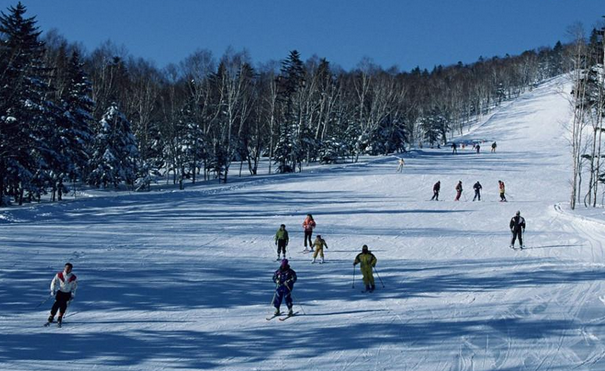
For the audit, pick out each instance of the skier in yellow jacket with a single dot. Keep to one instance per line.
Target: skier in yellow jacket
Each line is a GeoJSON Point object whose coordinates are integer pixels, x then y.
{"type": "Point", "coordinates": [319, 245]}
{"type": "Point", "coordinates": [367, 261]}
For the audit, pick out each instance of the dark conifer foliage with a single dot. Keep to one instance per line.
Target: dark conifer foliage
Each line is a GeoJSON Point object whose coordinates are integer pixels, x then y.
{"type": "Point", "coordinates": [24, 112]}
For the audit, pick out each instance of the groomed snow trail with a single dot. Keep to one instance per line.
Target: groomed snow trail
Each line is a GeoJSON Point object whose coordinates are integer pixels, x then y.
{"type": "Point", "coordinates": [182, 280]}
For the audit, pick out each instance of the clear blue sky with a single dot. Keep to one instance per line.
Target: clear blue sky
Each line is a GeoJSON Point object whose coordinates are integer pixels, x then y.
{"type": "Point", "coordinates": [391, 32]}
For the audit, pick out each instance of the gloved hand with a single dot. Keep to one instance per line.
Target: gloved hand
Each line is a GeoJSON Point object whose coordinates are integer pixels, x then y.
{"type": "Point", "coordinates": [275, 243]}
{"type": "Point", "coordinates": [52, 293]}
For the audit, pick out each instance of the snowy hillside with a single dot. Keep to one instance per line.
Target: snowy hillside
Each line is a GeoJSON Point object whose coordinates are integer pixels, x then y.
{"type": "Point", "coordinates": [182, 280]}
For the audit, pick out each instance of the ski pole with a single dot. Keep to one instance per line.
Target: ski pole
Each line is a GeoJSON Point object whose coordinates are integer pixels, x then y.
{"type": "Point", "coordinates": [44, 301]}
{"type": "Point", "coordinates": [353, 276]}
{"type": "Point", "coordinates": [375, 270]}
{"type": "Point", "coordinates": [70, 314]}
{"type": "Point", "coordinates": [293, 298]}
{"type": "Point", "coordinates": [299, 304]}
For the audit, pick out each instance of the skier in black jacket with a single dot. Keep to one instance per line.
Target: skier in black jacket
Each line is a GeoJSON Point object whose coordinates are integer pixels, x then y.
{"type": "Point", "coordinates": [477, 187]}
{"type": "Point", "coordinates": [436, 189]}
{"type": "Point", "coordinates": [517, 227]}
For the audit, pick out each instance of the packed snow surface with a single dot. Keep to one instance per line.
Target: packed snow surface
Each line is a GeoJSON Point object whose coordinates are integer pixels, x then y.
{"type": "Point", "coordinates": [182, 280]}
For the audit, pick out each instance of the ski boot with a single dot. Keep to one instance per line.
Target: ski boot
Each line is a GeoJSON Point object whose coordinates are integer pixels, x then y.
{"type": "Point", "coordinates": [321, 261]}
{"type": "Point", "coordinates": [372, 288]}
{"type": "Point", "coordinates": [290, 312]}
{"type": "Point", "coordinates": [60, 321]}
{"type": "Point", "coordinates": [313, 261]}
{"type": "Point", "coordinates": [276, 313]}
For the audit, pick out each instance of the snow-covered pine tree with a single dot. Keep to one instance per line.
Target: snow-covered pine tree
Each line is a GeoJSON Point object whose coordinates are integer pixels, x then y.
{"type": "Point", "coordinates": [115, 151]}
{"type": "Point", "coordinates": [24, 111]}
{"type": "Point", "coordinates": [74, 126]}
{"type": "Point", "coordinates": [194, 144]}
{"type": "Point", "coordinates": [292, 78]}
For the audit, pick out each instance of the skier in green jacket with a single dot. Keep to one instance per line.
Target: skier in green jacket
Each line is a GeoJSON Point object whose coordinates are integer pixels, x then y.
{"type": "Point", "coordinates": [367, 261]}
{"type": "Point", "coordinates": [281, 240]}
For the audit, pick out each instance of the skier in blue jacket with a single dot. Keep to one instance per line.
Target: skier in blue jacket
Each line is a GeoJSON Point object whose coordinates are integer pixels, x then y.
{"type": "Point", "coordinates": [284, 279]}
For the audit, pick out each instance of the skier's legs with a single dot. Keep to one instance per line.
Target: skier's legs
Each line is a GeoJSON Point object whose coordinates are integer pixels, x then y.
{"type": "Point", "coordinates": [520, 238]}
{"type": "Point", "coordinates": [315, 253]}
{"type": "Point", "coordinates": [55, 308]}
{"type": "Point", "coordinates": [60, 303]}
{"type": "Point", "coordinates": [281, 247]}
{"type": "Point", "coordinates": [515, 234]}
{"type": "Point", "coordinates": [278, 298]}
{"type": "Point", "coordinates": [308, 235]}
{"type": "Point", "coordinates": [288, 298]}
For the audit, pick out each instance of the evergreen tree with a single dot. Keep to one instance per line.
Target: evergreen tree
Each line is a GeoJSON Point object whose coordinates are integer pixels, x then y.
{"type": "Point", "coordinates": [115, 151]}
{"type": "Point", "coordinates": [24, 111]}
{"type": "Point", "coordinates": [74, 125]}
{"type": "Point", "coordinates": [291, 80]}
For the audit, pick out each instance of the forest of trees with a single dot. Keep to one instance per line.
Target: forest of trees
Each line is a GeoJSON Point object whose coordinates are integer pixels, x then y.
{"type": "Point", "coordinates": [588, 103]}
{"type": "Point", "coordinates": [107, 119]}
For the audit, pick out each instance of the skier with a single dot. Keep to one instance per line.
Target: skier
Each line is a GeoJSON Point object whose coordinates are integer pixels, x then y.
{"type": "Point", "coordinates": [517, 227]}
{"type": "Point", "coordinates": [367, 261]}
{"type": "Point", "coordinates": [436, 188]}
{"type": "Point", "coordinates": [502, 190]}
{"type": "Point", "coordinates": [319, 245]}
{"type": "Point", "coordinates": [494, 145]}
{"type": "Point", "coordinates": [458, 190]}
{"type": "Point", "coordinates": [284, 278]}
{"type": "Point", "coordinates": [64, 284]}
{"type": "Point", "coordinates": [454, 148]}
{"type": "Point", "coordinates": [281, 240]}
{"type": "Point", "coordinates": [400, 167]}
{"type": "Point", "coordinates": [477, 187]}
{"type": "Point", "coordinates": [308, 226]}
{"type": "Point", "coordinates": [478, 147]}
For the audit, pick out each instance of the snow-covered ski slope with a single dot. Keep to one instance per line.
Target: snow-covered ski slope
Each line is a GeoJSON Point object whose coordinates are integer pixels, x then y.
{"type": "Point", "coordinates": [182, 280]}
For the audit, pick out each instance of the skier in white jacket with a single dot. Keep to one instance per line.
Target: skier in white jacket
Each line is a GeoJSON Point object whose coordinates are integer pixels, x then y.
{"type": "Point", "coordinates": [64, 285]}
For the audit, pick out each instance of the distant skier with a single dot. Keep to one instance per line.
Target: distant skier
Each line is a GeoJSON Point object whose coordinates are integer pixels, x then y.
{"type": "Point", "coordinates": [401, 162]}
{"type": "Point", "coordinates": [281, 240]}
{"type": "Point", "coordinates": [478, 147]}
{"type": "Point", "coordinates": [502, 190]}
{"type": "Point", "coordinates": [367, 262]}
{"type": "Point", "coordinates": [458, 190]}
{"type": "Point", "coordinates": [494, 145]}
{"type": "Point", "coordinates": [436, 188]}
{"type": "Point", "coordinates": [517, 227]}
{"type": "Point", "coordinates": [454, 148]}
{"type": "Point", "coordinates": [477, 187]}
{"type": "Point", "coordinates": [284, 279]}
{"type": "Point", "coordinates": [64, 285]}
{"type": "Point", "coordinates": [319, 245]}
{"type": "Point", "coordinates": [308, 226]}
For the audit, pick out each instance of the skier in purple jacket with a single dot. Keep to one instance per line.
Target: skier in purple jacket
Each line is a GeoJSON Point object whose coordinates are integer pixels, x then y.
{"type": "Point", "coordinates": [284, 278]}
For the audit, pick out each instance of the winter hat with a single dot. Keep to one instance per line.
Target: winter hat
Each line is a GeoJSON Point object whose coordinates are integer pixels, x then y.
{"type": "Point", "coordinates": [518, 213]}
{"type": "Point", "coordinates": [284, 263]}
{"type": "Point", "coordinates": [319, 236]}
{"type": "Point", "coordinates": [364, 248]}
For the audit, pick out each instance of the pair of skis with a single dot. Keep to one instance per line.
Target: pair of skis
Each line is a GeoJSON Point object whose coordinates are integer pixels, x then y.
{"type": "Point", "coordinates": [280, 317]}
